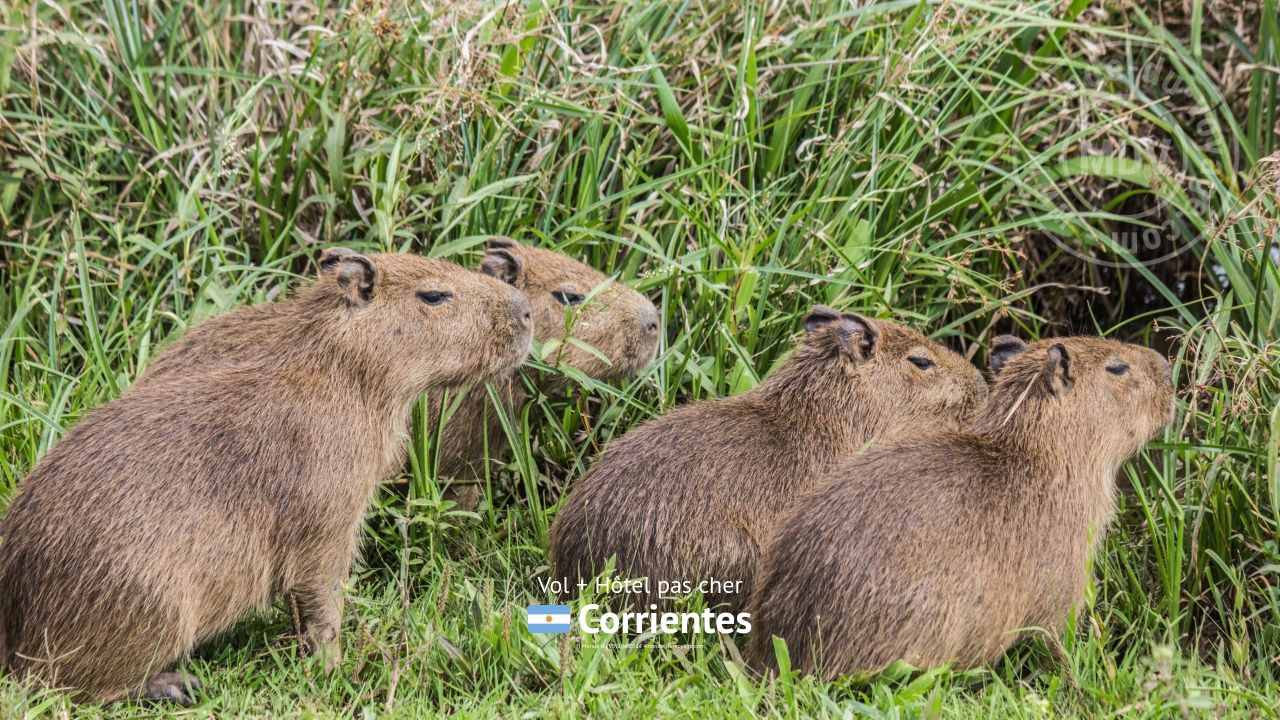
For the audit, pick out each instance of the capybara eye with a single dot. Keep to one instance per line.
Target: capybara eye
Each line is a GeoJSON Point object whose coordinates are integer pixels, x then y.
{"type": "Point", "coordinates": [1118, 368]}
{"type": "Point", "coordinates": [565, 297]}
{"type": "Point", "coordinates": [923, 363]}
{"type": "Point", "coordinates": [434, 297]}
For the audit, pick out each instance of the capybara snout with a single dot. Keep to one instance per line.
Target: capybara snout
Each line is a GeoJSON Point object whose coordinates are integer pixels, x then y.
{"type": "Point", "coordinates": [512, 321]}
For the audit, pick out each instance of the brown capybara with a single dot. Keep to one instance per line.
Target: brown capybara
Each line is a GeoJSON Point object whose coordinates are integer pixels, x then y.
{"type": "Point", "coordinates": [692, 495]}
{"type": "Point", "coordinates": [164, 516]}
{"type": "Point", "coordinates": [620, 325]}
{"type": "Point", "coordinates": [947, 547]}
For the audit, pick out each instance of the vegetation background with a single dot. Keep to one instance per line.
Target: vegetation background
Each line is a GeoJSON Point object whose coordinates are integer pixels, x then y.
{"type": "Point", "coordinates": [1029, 166]}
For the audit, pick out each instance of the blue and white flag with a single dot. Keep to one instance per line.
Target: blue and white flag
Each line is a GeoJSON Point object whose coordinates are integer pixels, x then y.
{"type": "Point", "coordinates": [548, 618]}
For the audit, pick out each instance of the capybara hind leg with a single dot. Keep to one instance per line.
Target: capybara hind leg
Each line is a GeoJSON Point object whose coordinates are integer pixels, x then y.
{"type": "Point", "coordinates": [174, 687]}
{"type": "Point", "coordinates": [1053, 641]}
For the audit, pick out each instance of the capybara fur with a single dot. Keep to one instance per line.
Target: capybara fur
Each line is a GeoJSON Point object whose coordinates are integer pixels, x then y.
{"type": "Point", "coordinates": [947, 547]}
{"type": "Point", "coordinates": [166, 515]}
{"type": "Point", "coordinates": [692, 495]}
{"type": "Point", "coordinates": [620, 324]}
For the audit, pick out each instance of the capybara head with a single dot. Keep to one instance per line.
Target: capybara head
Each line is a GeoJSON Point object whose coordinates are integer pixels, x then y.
{"type": "Point", "coordinates": [411, 314]}
{"type": "Point", "coordinates": [572, 300]}
{"type": "Point", "coordinates": [924, 382]}
{"type": "Point", "coordinates": [1113, 394]}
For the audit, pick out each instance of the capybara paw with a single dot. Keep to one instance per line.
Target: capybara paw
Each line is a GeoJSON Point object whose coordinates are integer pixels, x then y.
{"type": "Point", "coordinates": [330, 653]}
{"type": "Point", "coordinates": [323, 644]}
{"type": "Point", "coordinates": [332, 657]}
{"type": "Point", "coordinates": [174, 687]}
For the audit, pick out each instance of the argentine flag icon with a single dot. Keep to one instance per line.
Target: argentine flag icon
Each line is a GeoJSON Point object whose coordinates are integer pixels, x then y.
{"type": "Point", "coordinates": [548, 618]}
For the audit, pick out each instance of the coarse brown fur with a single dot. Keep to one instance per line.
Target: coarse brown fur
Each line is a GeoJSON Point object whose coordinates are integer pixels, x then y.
{"type": "Point", "coordinates": [163, 517]}
{"type": "Point", "coordinates": [944, 548]}
{"type": "Point", "coordinates": [572, 303]}
{"type": "Point", "coordinates": [693, 494]}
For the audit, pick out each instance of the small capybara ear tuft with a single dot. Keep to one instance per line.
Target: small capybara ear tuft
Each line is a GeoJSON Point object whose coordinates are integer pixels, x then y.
{"type": "Point", "coordinates": [1003, 349]}
{"type": "Point", "coordinates": [819, 317]}
{"type": "Point", "coordinates": [856, 335]}
{"type": "Point", "coordinates": [1057, 369]}
{"type": "Point", "coordinates": [500, 241]}
{"type": "Point", "coordinates": [502, 265]}
{"type": "Point", "coordinates": [859, 336]}
{"type": "Point", "coordinates": [355, 273]}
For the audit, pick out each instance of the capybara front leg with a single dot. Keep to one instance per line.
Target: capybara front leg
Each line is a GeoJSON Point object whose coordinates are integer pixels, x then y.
{"type": "Point", "coordinates": [320, 613]}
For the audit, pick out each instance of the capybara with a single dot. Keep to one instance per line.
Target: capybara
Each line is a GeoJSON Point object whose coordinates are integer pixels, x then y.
{"type": "Point", "coordinates": [619, 324]}
{"type": "Point", "coordinates": [692, 495]}
{"type": "Point", "coordinates": [166, 515]}
{"type": "Point", "coordinates": [946, 547]}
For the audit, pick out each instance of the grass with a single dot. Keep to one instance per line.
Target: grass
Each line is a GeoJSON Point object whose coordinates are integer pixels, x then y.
{"type": "Point", "coordinates": [942, 163]}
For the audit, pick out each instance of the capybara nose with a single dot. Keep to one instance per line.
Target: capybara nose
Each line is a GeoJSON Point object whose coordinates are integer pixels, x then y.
{"type": "Point", "coordinates": [649, 321]}
{"type": "Point", "coordinates": [522, 311]}
{"type": "Point", "coordinates": [1162, 367]}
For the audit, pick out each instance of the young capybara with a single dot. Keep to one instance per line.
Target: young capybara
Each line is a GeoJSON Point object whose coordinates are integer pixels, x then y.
{"type": "Point", "coordinates": [620, 324]}
{"type": "Point", "coordinates": [692, 495]}
{"type": "Point", "coordinates": [946, 547]}
{"type": "Point", "coordinates": [164, 516]}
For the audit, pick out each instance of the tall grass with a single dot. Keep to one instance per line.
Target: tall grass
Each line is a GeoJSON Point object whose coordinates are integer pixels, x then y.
{"type": "Point", "coordinates": [942, 163]}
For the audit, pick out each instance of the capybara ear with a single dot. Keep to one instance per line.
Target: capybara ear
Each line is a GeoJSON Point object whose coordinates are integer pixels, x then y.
{"type": "Point", "coordinates": [502, 265]}
{"type": "Point", "coordinates": [356, 274]}
{"type": "Point", "coordinates": [819, 317]}
{"type": "Point", "coordinates": [1004, 348]}
{"type": "Point", "coordinates": [500, 241]}
{"type": "Point", "coordinates": [1057, 369]}
{"type": "Point", "coordinates": [859, 336]}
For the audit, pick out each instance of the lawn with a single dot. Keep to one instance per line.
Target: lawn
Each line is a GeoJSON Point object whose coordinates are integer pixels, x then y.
{"type": "Point", "coordinates": [968, 168]}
